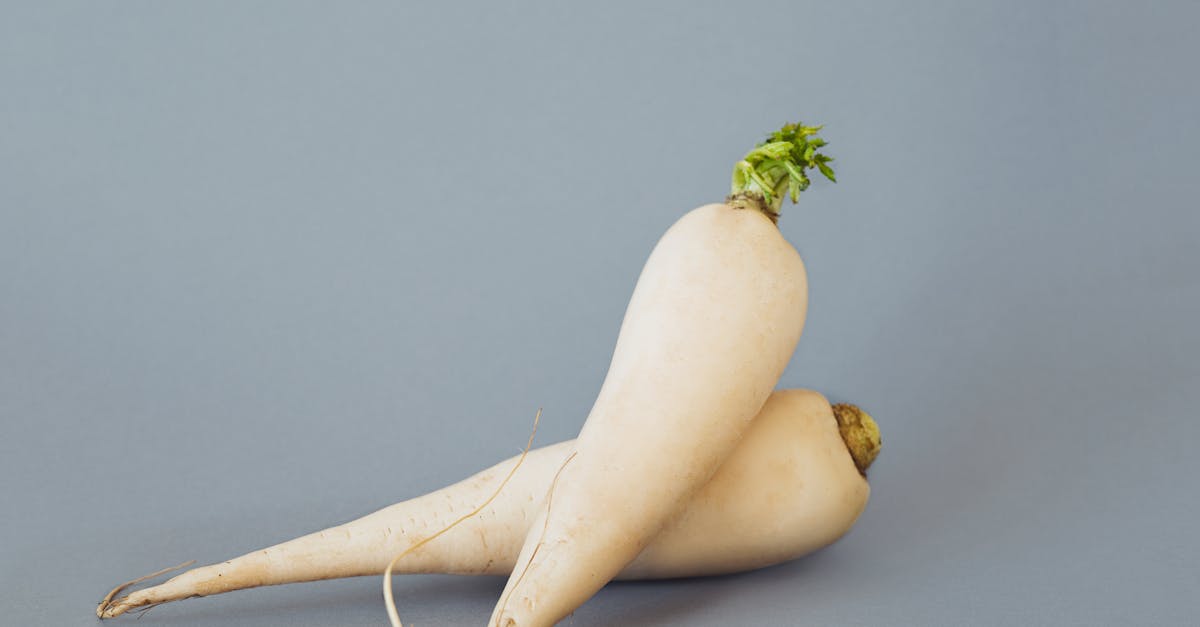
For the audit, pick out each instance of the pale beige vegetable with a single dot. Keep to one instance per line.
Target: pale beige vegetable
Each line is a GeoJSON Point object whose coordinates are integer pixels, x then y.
{"type": "Point", "coordinates": [711, 325]}
{"type": "Point", "coordinates": [790, 486]}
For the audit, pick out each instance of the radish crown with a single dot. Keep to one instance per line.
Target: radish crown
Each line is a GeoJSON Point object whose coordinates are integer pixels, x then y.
{"type": "Point", "coordinates": [777, 168]}
{"type": "Point", "coordinates": [860, 433]}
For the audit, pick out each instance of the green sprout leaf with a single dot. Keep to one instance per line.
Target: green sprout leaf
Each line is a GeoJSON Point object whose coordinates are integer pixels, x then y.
{"type": "Point", "coordinates": [776, 168]}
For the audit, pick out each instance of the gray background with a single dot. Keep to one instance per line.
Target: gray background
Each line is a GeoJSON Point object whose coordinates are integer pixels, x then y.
{"type": "Point", "coordinates": [268, 266]}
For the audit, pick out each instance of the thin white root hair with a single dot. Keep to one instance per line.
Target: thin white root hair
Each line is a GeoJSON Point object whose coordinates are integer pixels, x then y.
{"type": "Point", "coordinates": [389, 600]}
{"type": "Point", "coordinates": [541, 538]}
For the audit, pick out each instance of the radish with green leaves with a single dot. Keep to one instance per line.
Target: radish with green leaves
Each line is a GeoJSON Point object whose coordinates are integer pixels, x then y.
{"type": "Point", "coordinates": [713, 321]}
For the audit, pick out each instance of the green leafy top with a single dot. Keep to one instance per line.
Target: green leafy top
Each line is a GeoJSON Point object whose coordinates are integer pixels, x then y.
{"type": "Point", "coordinates": [777, 168]}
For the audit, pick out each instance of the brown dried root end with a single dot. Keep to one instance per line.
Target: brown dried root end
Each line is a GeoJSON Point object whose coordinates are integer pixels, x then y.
{"type": "Point", "coordinates": [110, 608]}
{"type": "Point", "coordinates": [860, 433]}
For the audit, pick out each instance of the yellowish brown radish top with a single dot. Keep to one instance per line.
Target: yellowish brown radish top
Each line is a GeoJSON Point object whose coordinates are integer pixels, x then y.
{"type": "Point", "coordinates": [860, 433]}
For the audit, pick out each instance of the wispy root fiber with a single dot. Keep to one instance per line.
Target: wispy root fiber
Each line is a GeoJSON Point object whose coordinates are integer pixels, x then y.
{"type": "Point", "coordinates": [389, 600]}
{"type": "Point", "coordinates": [109, 607]}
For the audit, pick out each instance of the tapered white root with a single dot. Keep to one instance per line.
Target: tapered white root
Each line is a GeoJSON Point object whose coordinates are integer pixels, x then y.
{"type": "Point", "coordinates": [486, 543]}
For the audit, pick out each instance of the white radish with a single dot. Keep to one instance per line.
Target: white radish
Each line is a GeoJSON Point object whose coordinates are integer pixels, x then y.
{"type": "Point", "coordinates": [792, 485]}
{"type": "Point", "coordinates": [713, 321]}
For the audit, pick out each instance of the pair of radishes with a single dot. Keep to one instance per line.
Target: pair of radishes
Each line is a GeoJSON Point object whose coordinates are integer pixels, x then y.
{"type": "Point", "coordinates": [686, 465]}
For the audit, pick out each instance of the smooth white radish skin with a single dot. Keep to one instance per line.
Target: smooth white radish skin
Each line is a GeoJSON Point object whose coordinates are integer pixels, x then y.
{"type": "Point", "coordinates": [791, 486]}
{"type": "Point", "coordinates": [713, 321]}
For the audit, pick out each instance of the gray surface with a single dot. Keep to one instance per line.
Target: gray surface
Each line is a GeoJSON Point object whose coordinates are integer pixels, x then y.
{"type": "Point", "coordinates": [265, 267]}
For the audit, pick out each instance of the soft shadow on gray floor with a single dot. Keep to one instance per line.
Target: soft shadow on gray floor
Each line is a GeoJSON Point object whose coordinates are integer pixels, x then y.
{"type": "Point", "coordinates": [424, 600]}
